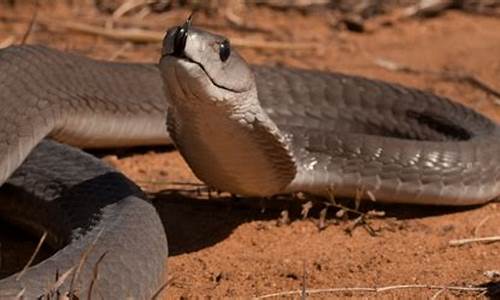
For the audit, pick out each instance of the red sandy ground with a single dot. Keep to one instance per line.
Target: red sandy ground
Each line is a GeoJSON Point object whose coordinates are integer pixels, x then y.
{"type": "Point", "coordinates": [225, 248]}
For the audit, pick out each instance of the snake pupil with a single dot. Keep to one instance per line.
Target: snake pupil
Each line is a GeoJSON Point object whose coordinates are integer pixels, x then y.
{"type": "Point", "coordinates": [224, 50]}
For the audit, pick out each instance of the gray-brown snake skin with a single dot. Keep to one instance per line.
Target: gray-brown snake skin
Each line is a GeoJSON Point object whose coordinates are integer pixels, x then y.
{"type": "Point", "coordinates": [433, 151]}
{"type": "Point", "coordinates": [421, 148]}
{"type": "Point", "coordinates": [70, 194]}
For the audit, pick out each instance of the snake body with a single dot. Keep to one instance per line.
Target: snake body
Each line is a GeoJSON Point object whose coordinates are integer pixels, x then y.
{"type": "Point", "coordinates": [279, 130]}
{"type": "Point", "coordinates": [250, 130]}
{"type": "Point", "coordinates": [77, 199]}
{"type": "Point", "coordinates": [85, 207]}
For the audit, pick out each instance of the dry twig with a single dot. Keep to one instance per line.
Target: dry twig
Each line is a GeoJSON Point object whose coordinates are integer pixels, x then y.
{"type": "Point", "coordinates": [482, 222]}
{"type": "Point", "coordinates": [306, 207]}
{"type": "Point", "coordinates": [493, 275]}
{"type": "Point", "coordinates": [126, 7]}
{"type": "Point", "coordinates": [7, 42]}
{"type": "Point", "coordinates": [446, 75]}
{"type": "Point", "coordinates": [137, 35]}
{"type": "Point", "coordinates": [31, 24]}
{"type": "Point", "coordinates": [83, 259]}
{"type": "Point", "coordinates": [437, 294]}
{"type": "Point", "coordinates": [292, 3]}
{"type": "Point", "coordinates": [486, 239]}
{"type": "Point", "coordinates": [303, 294]}
{"type": "Point", "coordinates": [126, 46]}
{"type": "Point", "coordinates": [54, 287]}
{"type": "Point", "coordinates": [30, 261]}
{"type": "Point", "coordinates": [160, 290]}
{"type": "Point", "coordinates": [134, 35]}
{"type": "Point", "coordinates": [361, 219]}
{"type": "Point", "coordinates": [428, 8]}
{"type": "Point", "coordinates": [95, 274]}
{"type": "Point", "coordinates": [373, 290]}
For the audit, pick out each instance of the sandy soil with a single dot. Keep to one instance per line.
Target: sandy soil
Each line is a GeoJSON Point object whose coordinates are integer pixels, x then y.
{"type": "Point", "coordinates": [226, 248]}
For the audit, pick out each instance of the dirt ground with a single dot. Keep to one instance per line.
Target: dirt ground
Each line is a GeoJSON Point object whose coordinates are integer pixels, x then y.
{"type": "Point", "coordinates": [222, 247]}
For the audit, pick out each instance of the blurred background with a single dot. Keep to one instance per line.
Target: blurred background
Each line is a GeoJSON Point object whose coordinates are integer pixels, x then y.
{"type": "Point", "coordinates": [230, 249]}
{"type": "Point", "coordinates": [271, 17]}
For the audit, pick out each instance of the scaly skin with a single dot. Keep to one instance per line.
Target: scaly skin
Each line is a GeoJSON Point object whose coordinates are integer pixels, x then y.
{"type": "Point", "coordinates": [72, 196]}
{"type": "Point", "coordinates": [330, 131]}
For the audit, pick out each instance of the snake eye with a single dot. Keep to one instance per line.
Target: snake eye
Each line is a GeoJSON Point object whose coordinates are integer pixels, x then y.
{"type": "Point", "coordinates": [224, 50]}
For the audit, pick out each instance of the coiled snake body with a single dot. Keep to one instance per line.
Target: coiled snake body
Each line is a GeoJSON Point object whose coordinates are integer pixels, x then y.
{"type": "Point", "coordinates": [254, 131]}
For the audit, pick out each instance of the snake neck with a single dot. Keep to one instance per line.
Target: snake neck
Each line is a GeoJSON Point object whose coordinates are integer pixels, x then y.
{"type": "Point", "coordinates": [231, 146]}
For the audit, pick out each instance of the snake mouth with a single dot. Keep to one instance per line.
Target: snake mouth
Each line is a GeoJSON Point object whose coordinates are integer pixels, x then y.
{"type": "Point", "coordinates": [174, 46]}
{"type": "Point", "coordinates": [182, 57]}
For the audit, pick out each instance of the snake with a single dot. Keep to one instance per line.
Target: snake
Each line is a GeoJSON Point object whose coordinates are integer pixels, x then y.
{"type": "Point", "coordinates": [245, 129]}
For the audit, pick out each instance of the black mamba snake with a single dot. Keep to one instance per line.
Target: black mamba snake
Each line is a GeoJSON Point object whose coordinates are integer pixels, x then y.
{"type": "Point", "coordinates": [255, 131]}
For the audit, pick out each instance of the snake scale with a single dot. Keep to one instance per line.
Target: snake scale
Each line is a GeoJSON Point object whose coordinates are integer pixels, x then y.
{"type": "Point", "coordinates": [249, 130]}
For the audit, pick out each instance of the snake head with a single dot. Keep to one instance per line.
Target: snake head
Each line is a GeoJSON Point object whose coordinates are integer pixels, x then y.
{"type": "Point", "coordinates": [204, 61]}
{"type": "Point", "coordinates": [215, 119]}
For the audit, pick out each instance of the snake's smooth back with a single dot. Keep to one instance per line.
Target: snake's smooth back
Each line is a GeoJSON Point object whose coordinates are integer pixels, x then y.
{"type": "Point", "coordinates": [87, 209]}
{"type": "Point", "coordinates": [401, 144]}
